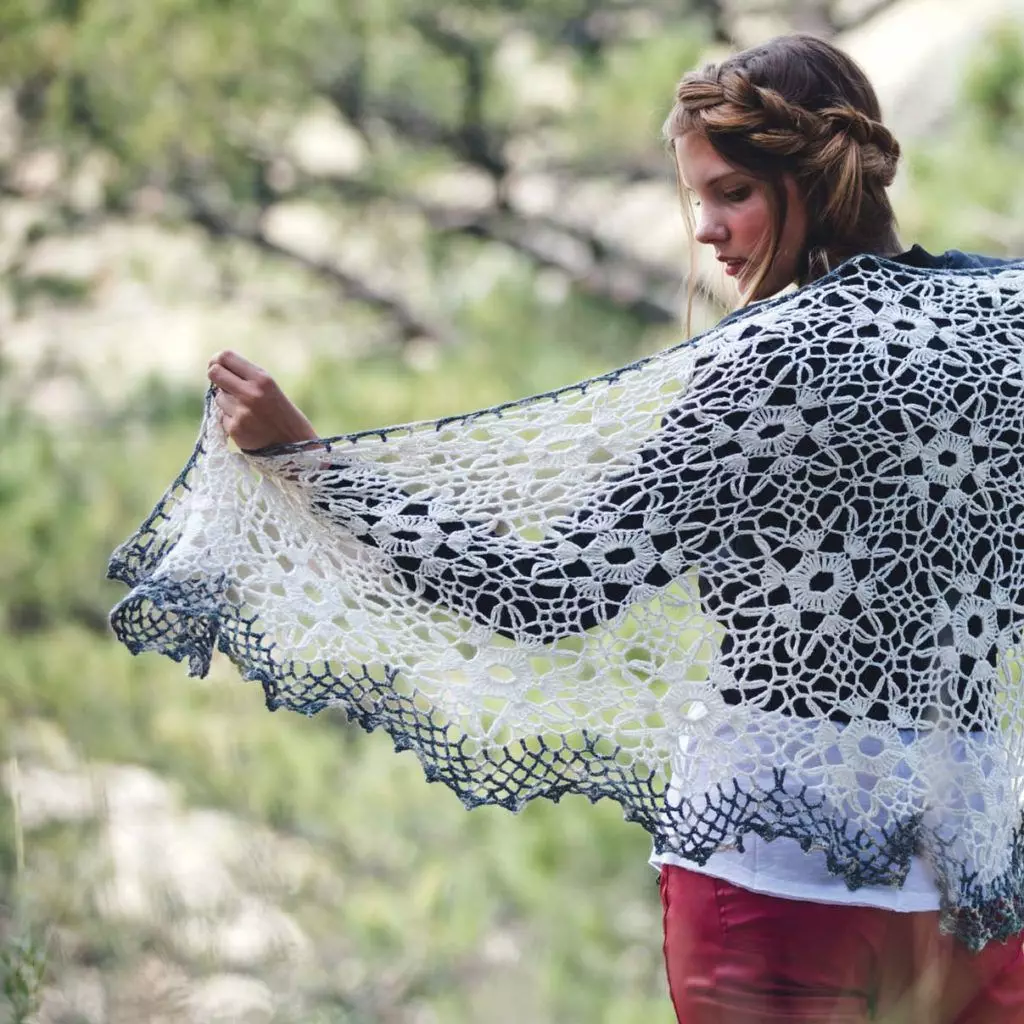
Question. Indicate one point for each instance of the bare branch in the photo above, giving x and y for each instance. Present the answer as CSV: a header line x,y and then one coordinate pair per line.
x,y
863,16
477,145
409,324
714,11
621,283
473,55
595,266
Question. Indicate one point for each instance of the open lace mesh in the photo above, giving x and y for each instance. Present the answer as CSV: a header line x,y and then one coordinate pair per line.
x,y
769,581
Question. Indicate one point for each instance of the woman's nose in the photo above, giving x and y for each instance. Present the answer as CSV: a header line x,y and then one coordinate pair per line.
x,y
709,228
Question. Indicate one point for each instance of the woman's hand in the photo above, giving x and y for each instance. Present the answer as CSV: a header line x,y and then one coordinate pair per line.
x,y
254,410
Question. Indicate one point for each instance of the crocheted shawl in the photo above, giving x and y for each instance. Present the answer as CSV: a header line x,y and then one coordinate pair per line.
x,y
768,581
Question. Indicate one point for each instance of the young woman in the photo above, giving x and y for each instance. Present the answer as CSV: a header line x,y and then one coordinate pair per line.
x,y
782,156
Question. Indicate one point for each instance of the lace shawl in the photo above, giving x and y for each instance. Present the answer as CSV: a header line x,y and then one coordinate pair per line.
x,y
768,581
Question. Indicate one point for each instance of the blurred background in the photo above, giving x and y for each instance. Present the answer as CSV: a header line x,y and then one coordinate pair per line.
x,y
403,209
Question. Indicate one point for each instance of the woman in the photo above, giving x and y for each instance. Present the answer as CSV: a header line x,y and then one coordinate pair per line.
x,y
782,151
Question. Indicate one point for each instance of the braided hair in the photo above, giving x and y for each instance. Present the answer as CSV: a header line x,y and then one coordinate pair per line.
x,y
797,106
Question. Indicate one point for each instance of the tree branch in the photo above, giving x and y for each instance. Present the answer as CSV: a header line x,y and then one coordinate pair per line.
x,y
409,324
476,145
474,58
595,266
714,13
620,283
863,16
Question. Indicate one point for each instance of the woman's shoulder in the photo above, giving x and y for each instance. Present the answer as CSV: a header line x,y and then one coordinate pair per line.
x,y
915,256
951,259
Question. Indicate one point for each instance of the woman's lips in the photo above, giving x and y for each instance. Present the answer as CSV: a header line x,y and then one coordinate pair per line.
x,y
733,267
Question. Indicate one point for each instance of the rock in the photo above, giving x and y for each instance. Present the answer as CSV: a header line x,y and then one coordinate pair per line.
x,y
231,999
80,998
252,934
193,871
155,991
131,790
45,796
40,741
202,880
165,862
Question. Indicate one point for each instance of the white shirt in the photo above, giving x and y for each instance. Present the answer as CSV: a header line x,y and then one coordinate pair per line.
x,y
781,868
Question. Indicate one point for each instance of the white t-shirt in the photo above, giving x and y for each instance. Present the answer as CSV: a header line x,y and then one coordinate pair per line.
x,y
781,868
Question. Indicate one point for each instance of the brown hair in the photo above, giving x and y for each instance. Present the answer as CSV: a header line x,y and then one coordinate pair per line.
x,y
796,105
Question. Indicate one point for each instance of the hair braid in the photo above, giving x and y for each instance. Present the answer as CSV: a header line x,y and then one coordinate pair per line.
x,y
879,148
833,139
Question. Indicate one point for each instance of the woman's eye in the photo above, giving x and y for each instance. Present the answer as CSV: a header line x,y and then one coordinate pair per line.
x,y
737,195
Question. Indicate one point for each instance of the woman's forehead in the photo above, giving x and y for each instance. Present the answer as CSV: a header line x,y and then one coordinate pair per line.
x,y
700,164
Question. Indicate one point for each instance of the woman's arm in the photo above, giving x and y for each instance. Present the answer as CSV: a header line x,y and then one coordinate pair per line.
x,y
592,564
632,535
630,540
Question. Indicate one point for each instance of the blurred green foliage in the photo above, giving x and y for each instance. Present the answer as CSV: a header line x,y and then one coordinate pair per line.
x,y
426,885
964,186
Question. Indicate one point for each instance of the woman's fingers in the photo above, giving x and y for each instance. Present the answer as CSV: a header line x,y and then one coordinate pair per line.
x,y
254,410
241,367
227,380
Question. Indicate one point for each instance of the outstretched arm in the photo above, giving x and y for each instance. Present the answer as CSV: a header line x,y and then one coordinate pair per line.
x,y
626,543
590,566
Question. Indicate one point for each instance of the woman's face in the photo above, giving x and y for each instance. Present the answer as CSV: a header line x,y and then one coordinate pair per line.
x,y
733,215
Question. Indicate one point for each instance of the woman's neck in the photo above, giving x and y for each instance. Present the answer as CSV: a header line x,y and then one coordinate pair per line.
x,y
822,260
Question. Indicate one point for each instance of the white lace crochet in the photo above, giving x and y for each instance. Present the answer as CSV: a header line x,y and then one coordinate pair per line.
x,y
781,566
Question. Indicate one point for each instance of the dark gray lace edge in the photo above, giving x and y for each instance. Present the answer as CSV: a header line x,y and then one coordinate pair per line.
x,y
188,621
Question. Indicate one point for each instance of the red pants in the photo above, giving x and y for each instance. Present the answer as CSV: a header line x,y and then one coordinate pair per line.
x,y
740,957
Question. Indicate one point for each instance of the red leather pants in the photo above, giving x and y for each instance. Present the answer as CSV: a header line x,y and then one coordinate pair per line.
x,y
740,957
